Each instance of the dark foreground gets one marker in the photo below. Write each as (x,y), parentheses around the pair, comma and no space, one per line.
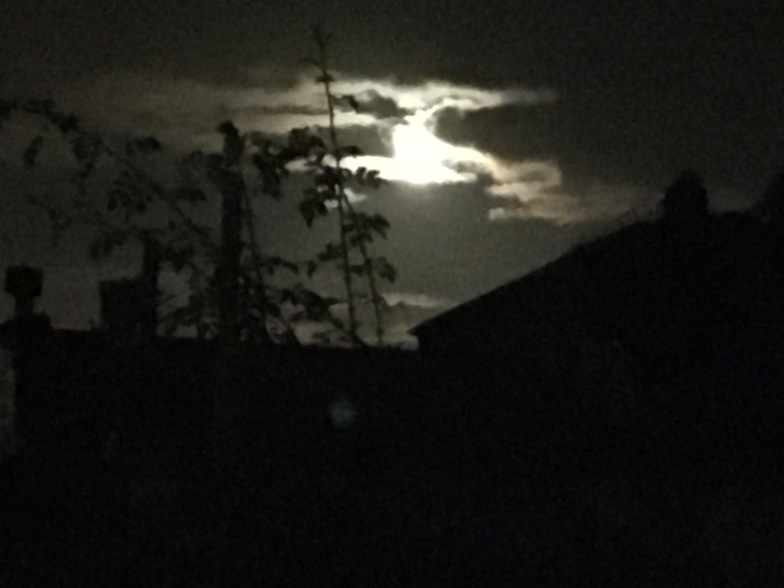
(449,476)
(468,497)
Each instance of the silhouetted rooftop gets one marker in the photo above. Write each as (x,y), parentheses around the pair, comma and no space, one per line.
(671,294)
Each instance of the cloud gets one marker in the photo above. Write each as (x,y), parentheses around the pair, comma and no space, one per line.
(185,110)
(594,203)
(400,120)
(352,196)
(413,97)
(417,300)
(380,106)
(403,310)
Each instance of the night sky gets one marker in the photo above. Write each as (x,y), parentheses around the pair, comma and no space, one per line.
(511,130)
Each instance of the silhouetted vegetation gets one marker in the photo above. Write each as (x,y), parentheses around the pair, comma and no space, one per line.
(239,293)
(356,229)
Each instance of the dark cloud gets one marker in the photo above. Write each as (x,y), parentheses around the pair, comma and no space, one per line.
(382,107)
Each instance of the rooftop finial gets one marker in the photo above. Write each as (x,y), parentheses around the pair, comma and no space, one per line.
(686,199)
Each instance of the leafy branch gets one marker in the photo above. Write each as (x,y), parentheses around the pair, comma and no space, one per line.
(237,295)
(356,230)
(132,193)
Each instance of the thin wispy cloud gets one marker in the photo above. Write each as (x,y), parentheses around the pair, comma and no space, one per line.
(402,310)
(597,203)
(418,300)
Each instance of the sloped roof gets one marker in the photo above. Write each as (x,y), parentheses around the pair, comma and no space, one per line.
(673,294)
(569,276)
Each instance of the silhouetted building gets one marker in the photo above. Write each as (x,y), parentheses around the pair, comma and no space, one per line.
(771,203)
(26,336)
(690,299)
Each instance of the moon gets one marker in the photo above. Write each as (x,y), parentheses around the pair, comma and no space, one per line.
(419,157)
(423,158)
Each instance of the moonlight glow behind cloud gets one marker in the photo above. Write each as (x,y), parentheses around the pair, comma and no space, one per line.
(400,119)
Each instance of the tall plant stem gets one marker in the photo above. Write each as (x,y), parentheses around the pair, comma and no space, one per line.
(325,78)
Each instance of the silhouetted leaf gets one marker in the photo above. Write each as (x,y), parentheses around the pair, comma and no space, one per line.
(32,151)
(308,211)
(227,128)
(372,178)
(262,161)
(379,224)
(298,316)
(193,159)
(260,141)
(42,107)
(322,337)
(103,246)
(331,252)
(300,143)
(84,149)
(316,141)
(233,144)
(66,122)
(271,185)
(5,111)
(214,161)
(143,145)
(190,194)
(292,267)
(349,151)
(311,207)
(273,262)
(328,178)
(271,170)
(366,223)
(227,181)
(360,237)
(119,195)
(286,295)
(384,269)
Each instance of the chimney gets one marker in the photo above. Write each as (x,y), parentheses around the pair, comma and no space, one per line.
(24,284)
(26,329)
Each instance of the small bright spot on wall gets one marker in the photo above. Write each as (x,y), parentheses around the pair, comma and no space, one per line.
(342,413)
